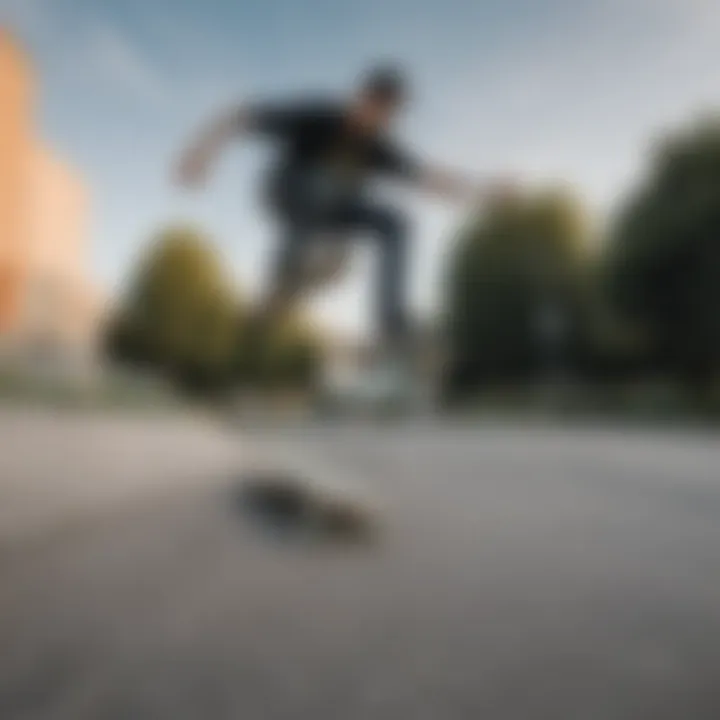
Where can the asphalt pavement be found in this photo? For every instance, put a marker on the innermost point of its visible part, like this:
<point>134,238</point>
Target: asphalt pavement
<point>522,572</point>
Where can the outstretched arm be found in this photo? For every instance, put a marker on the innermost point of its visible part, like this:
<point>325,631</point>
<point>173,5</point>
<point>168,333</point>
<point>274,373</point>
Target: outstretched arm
<point>439,181</point>
<point>196,161</point>
<point>454,186</point>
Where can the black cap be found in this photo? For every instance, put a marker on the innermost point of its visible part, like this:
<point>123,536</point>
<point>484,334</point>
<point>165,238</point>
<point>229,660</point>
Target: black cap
<point>386,82</point>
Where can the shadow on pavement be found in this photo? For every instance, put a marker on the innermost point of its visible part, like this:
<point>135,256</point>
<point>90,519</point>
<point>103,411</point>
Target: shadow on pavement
<point>287,508</point>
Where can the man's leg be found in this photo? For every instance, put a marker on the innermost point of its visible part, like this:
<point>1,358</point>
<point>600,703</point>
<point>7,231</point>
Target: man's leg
<point>300,212</point>
<point>392,379</point>
<point>277,303</point>
<point>285,280</point>
<point>389,228</point>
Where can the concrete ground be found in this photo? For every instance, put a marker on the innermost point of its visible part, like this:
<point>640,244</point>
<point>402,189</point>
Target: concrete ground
<point>523,573</point>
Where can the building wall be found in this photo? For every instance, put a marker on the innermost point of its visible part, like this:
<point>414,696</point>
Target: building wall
<point>15,142</point>
<point>58,211</point>
<point>46,296</point>
<point>56,273</point>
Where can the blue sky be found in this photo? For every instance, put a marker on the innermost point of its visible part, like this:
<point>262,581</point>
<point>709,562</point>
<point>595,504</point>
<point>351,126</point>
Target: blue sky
<point>557,89</point>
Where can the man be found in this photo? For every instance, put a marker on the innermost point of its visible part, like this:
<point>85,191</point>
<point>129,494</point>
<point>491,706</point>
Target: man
<point>329,152</point>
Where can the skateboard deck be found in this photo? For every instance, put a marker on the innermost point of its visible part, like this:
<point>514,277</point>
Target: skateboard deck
<point>309,496</point>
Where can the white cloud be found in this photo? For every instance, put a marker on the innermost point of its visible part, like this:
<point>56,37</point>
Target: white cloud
<point>117,60</point>
<point>23,15</point>
<point>85,49</point>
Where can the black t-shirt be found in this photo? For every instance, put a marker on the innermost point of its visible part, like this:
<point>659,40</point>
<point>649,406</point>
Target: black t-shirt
<point>316,135</point>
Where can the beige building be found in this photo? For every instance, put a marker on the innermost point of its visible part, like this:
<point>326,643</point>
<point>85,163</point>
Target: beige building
<point>48,303</point>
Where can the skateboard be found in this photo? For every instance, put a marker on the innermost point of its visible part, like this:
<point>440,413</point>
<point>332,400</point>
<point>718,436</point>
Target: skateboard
<point>307,498</point>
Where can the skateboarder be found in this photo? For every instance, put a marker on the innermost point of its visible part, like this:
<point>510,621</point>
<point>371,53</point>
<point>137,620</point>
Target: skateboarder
<point>329,151</point>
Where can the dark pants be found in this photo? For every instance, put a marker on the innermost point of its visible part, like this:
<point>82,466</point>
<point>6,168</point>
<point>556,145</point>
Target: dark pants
<point>305,211</point>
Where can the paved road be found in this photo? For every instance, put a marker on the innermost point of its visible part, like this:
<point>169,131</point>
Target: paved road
<point>524,573</point>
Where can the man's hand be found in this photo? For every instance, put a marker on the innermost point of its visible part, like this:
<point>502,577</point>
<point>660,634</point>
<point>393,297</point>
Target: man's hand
<point>192,170</point>
<point>463,189</point>
<point>499,191</point>
<point>194,166</point>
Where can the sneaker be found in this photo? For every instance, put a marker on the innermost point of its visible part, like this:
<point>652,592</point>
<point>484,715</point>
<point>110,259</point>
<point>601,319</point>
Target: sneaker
<point>390,385</point>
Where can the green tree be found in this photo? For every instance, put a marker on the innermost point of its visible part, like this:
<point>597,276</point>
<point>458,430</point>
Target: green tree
<point>179,317</point>
<point>512,267</point>
<point>663,262</point>
<point>290,360</point>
